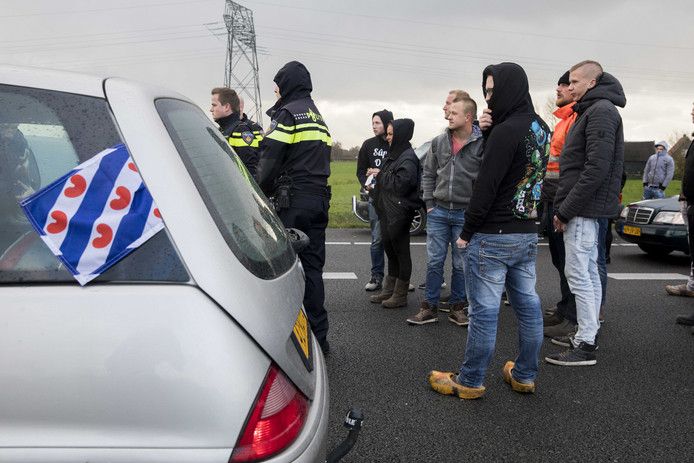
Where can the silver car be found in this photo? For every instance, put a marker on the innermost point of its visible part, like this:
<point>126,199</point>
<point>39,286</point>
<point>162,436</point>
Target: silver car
<point>195,347</point>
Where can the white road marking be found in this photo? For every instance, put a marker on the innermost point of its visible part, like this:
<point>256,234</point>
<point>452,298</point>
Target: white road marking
<point>339,276</point>
<point>338,243</point>
<point>648,276</point>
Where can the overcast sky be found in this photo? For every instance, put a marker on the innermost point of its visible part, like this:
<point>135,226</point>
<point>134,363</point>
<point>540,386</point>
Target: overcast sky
<point>365,55</point>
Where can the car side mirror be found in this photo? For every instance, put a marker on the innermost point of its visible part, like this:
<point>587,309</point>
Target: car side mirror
<point>298,239</point>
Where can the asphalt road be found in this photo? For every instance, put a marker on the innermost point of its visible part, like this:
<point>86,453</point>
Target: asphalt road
<point>636,404</point>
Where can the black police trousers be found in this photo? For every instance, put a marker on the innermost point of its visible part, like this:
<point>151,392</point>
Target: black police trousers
<point>309,213</point>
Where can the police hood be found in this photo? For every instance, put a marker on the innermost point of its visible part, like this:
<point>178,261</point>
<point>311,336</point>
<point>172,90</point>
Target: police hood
<point>294,82</point>
<point>511,94</point>
<point>403,129</point>
<point>606,88</point>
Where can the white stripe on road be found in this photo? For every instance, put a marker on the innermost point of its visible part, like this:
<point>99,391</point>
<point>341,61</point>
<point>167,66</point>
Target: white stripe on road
<point>339,276</point>
<point>648,276</point>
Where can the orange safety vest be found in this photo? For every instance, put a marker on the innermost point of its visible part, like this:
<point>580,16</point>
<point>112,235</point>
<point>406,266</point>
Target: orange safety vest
<point>567,117</point>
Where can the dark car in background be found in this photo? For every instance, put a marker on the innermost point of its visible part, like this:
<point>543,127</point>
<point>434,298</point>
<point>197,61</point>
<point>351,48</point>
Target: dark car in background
<point>655,225</point>
<point>360,206</point>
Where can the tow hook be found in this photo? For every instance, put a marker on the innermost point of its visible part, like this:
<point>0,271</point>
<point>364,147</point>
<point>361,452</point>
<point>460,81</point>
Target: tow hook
<point>352,422</point>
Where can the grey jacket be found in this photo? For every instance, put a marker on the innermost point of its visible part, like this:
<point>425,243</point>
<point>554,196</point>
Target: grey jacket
<point>592,159</point>
<point>659,170</point>
<point>447,177</point>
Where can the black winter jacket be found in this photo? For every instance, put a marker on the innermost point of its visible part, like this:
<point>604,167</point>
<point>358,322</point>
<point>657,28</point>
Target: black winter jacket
<point>688,177</point>
<point>397,184</point>
<point>244,136</point>
<point>592,160</point>
<point>297,145</point>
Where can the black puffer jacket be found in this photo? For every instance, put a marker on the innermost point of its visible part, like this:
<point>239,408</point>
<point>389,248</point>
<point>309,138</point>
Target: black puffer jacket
<point>592,160</point>
<point>397,185</point>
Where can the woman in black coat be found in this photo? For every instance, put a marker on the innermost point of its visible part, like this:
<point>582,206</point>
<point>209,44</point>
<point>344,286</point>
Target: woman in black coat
<point>397,199</point>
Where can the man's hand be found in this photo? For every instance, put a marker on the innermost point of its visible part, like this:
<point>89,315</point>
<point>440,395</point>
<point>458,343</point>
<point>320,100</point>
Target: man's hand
<point>559,226</point>
<point>461,243</point>
<point>372,171</point>
<point>486,119</point>
<point>429,210</point>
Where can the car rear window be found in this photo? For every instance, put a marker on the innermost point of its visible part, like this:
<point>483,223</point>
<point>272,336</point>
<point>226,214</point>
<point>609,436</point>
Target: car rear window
<point>240,210</point>
<point>43,135</point>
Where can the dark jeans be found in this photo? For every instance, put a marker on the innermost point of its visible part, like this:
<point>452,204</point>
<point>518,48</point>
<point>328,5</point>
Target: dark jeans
<point>309,213</point>
<point>395,237</point>
<point>566,307</point>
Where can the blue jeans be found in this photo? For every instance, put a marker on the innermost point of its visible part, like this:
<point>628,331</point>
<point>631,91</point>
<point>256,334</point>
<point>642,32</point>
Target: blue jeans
<point>581,243</point>
<point>377,259</point>
<point>443,227</point>
<point>653,192</point>
<point>492,262</point>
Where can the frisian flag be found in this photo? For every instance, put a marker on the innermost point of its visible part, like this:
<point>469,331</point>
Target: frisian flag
<point>96,214</point>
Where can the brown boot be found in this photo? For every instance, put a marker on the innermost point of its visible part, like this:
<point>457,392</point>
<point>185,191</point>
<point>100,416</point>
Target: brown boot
<point>386,290</point>
<point>458,314</point>
<point>427,314</point>
<point>399,297</point>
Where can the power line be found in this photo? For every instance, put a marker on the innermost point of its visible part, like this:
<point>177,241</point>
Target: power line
<point>99,10</point>
<point>470,27</point>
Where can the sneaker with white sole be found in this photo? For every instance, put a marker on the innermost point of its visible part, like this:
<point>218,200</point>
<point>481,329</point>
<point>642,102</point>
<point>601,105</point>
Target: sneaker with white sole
<point>582,355</point>
<point>427,314</point>
<point>374,284</point>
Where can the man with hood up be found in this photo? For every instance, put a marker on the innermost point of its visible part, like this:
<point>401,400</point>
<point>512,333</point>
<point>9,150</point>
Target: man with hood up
<point>592,162</point>
<point>369,162</point>
<point>659,170</point>
<point>294,167</point>
<point>500,235</point>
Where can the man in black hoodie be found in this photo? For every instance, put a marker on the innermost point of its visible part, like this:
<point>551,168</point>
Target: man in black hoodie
<point>590,176</point>
<point>294,168</point>
<point>500,235</point>
<point>371,157</point>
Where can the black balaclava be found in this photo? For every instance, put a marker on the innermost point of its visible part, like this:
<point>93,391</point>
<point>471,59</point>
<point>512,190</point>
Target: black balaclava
<point>294,82</point>
<point>385,116</point>
<point>403,129</point>
<point>511,93</point>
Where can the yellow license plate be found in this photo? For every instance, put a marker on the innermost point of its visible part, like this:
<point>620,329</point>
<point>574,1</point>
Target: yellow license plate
<point>302,334</point>
<point>636,231</point>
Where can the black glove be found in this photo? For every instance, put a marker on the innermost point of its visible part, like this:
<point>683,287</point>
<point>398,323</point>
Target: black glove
<point>645,184</point>
<point>661,187</point>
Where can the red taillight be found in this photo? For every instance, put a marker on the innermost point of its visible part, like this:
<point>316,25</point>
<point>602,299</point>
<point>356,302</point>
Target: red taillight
<point>277,418</point>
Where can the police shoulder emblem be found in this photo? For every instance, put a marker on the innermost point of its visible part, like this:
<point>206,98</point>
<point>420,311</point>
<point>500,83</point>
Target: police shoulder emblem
<point>247,137</point>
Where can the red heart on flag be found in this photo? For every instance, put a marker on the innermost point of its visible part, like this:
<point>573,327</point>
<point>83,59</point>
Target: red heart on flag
<point>156,213</point>
<point>60,222</point>
<point>123,199</point>
<point>105,236</point>
<point>132,167</point>
<point>79,186</point>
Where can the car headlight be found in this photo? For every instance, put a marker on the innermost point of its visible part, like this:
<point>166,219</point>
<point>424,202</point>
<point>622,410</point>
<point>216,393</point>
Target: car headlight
<point>670,218</point>
<point>624,213</point>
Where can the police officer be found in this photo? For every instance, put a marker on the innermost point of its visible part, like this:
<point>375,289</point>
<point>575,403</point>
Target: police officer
<point>243,134</point>
<point>294,168</point>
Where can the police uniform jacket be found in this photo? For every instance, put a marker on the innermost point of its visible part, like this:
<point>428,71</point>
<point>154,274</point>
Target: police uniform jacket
<point>297,145</point>
<point>244,137</point>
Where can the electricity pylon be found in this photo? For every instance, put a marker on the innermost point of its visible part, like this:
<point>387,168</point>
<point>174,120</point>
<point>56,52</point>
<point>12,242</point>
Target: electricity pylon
<point>241,67</point>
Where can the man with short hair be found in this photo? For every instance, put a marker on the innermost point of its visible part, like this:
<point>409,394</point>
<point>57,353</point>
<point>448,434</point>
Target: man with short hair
<point>242,134</point>
<point>659,170</point>
<point>371,156</point>
<point>562,320</point>
<point>450,169</point>
<point>589,183</point>
<point>500,235</point>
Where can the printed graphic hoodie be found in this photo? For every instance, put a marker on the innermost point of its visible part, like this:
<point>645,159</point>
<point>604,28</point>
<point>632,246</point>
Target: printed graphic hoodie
<point>373,151</point>
<point>507,191</point>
